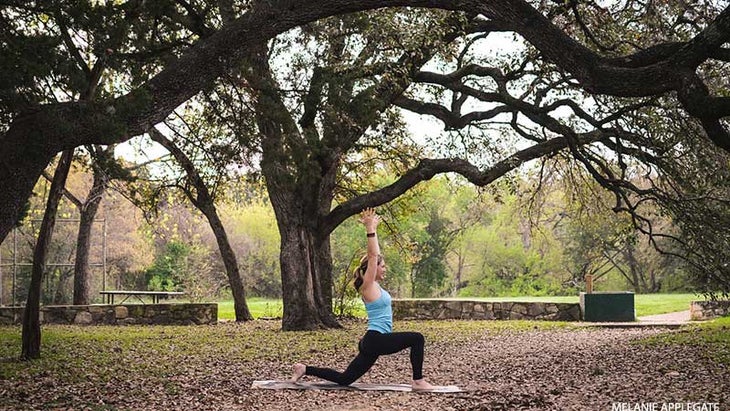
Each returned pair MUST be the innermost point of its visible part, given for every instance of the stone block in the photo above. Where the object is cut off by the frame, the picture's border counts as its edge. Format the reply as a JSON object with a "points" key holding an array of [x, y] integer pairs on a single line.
{"points": [[163, 319], [121, 312], [516, 315], [97, 309], [519, 308], [481, 310], [707, 310], [536, 309], [478, 315], [696, 315], [83, 318], [136, 310], [97, 317], [109, 317], [453, 305], [424, 314], [571, 314]]}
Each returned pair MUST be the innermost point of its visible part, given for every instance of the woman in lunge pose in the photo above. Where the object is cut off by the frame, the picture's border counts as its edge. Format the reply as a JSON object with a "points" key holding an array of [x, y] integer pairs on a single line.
{"points": [[379, 338]]}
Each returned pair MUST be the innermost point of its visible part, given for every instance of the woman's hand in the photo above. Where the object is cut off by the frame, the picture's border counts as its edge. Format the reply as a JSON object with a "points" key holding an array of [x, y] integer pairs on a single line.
{"points": [[369, 219]]}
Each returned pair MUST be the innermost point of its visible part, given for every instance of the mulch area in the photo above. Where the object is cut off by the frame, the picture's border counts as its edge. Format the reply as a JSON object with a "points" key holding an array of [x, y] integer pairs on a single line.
{"points": [[533, 369], [542, 370]]}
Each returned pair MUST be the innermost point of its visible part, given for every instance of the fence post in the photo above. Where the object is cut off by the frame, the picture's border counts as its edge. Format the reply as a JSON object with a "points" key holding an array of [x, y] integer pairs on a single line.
{"points": [[589, 284]]}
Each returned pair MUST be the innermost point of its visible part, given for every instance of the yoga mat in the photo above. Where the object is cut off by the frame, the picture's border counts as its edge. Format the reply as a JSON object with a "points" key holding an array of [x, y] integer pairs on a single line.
{"points": [[358, 386]]}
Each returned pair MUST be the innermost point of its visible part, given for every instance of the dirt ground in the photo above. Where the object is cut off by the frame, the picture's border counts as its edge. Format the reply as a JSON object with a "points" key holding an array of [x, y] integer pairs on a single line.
{"points": [[586, 369], [512, 369]]}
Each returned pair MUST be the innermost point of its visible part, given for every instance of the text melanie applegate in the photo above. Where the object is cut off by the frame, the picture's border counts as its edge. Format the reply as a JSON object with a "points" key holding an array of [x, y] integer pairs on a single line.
{"points": [[665, 406]]}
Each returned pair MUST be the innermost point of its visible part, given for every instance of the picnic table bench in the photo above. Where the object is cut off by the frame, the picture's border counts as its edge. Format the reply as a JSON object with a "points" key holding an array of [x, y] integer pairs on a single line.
{"points": [[156, 295]]}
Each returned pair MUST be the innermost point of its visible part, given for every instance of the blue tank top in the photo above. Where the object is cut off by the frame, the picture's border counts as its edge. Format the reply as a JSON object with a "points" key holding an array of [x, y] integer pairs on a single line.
{"points": [[380, 313]]}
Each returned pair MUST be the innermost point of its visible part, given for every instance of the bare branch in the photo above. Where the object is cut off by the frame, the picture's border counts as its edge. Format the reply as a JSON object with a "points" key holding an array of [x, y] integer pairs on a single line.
{"points": [[428, 168], [66, 193]]}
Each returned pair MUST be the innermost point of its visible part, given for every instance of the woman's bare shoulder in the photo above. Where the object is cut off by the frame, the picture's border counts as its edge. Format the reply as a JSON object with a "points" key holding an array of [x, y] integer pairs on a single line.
{"points": [[371, 292]]}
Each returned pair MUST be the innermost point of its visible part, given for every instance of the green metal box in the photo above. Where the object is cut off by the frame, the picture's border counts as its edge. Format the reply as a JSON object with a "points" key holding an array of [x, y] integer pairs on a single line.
{"points": [[607, 306]]}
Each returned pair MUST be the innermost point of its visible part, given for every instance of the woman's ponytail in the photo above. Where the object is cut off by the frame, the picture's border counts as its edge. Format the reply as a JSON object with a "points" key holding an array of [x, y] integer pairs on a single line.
{"points": [[360, 271]]}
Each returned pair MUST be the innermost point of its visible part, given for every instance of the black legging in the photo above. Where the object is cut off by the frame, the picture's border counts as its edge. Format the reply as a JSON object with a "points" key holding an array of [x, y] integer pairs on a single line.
{"points": [[373, 345]]}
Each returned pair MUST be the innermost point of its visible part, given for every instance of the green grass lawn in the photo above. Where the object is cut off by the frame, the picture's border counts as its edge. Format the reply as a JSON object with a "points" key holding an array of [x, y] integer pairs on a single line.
{"points": [[652, 304], [259, 307], [712, 338], [645, 304]]}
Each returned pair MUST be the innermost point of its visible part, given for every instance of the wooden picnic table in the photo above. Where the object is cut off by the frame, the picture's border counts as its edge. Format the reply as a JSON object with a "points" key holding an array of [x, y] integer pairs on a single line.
{"points": [[156, 295]]}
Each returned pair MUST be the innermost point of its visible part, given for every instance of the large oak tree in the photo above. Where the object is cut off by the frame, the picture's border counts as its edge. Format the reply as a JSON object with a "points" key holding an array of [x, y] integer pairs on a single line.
{"points": [[36, 129]]}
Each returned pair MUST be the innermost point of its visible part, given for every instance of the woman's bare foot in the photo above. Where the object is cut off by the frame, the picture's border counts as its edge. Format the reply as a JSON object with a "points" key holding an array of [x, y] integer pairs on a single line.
{"points": [[299, 370], [420, 385]]}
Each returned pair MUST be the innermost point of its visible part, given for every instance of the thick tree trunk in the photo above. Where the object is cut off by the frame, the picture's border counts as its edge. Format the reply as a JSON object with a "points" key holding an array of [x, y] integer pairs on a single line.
{"points": [[306, 267], [83, 240], [24, 154], [31, 344], [322, 272], [231, 263], [300, 308]]}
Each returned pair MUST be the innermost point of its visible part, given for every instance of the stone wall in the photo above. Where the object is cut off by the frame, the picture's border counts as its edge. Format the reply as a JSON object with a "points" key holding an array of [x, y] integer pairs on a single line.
{"points": [[158, 314], [414, 309], [707, 310]]}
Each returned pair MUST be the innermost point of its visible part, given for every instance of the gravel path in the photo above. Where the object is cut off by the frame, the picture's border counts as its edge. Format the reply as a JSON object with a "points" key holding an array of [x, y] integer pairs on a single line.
{"points": [[584, 369], [676, 317]]}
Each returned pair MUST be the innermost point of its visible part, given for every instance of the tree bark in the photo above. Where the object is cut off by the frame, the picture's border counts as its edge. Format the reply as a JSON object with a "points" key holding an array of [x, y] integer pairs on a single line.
{"points": [[300, 310], [305, 265], [301, 188], [88, 213], [230, 261], [322, 272], [31, 339], [203, 201], [25, 154]]}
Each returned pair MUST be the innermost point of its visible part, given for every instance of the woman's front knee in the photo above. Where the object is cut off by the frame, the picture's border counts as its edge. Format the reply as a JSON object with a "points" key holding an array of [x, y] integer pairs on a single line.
{"points": [[419, 339]]}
